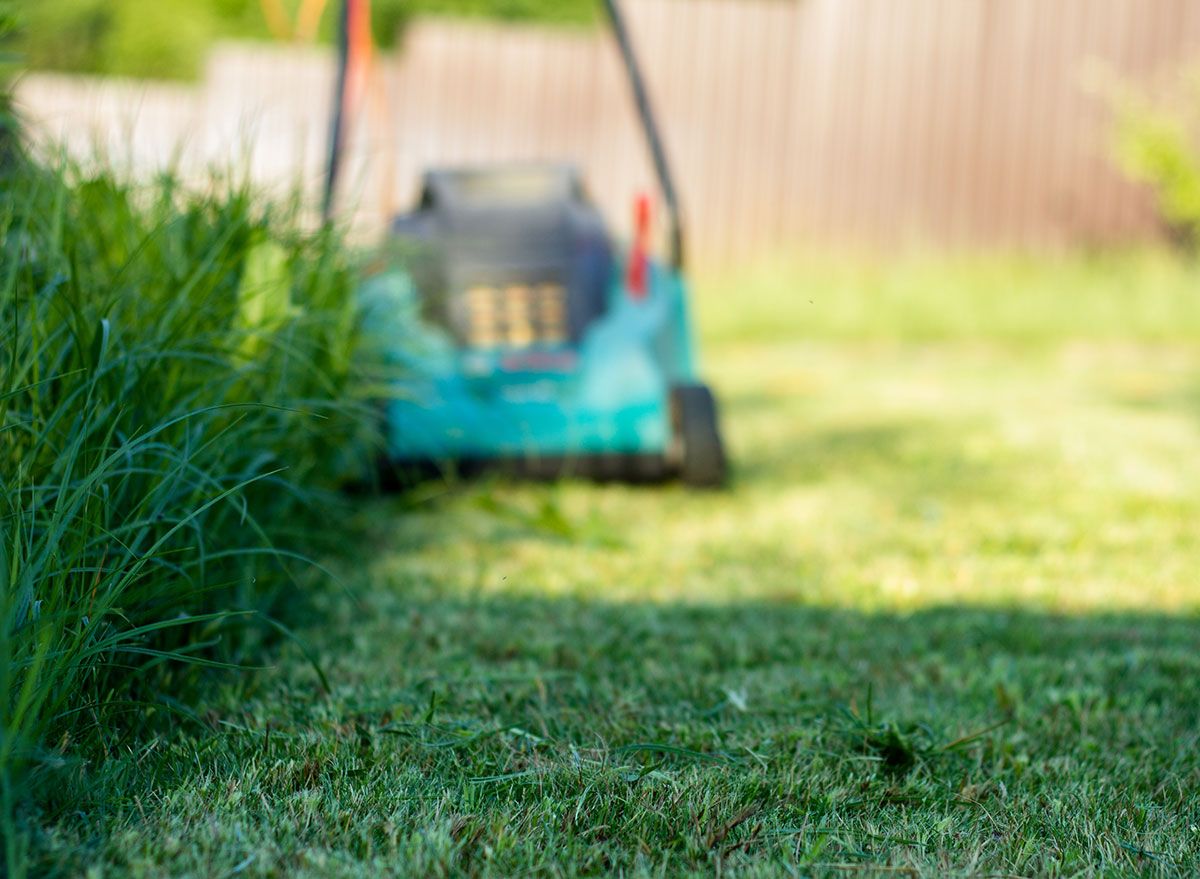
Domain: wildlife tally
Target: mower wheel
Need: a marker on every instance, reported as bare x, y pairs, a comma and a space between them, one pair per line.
701, 455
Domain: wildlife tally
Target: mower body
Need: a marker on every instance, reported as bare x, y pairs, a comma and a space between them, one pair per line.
540, 345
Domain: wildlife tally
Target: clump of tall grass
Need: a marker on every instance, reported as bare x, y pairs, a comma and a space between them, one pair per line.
175, 401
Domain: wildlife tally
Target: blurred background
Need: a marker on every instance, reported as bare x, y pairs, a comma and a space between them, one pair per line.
861, 125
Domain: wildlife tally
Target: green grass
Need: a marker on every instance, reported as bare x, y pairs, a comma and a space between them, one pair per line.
944, 622
175, 395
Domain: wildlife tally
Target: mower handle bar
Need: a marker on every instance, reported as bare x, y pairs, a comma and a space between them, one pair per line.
637, 85
658, 153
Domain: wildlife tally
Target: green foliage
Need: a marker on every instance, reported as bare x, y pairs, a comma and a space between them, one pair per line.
175, 393
169, 38
1160, 146
550, 11
389, 17
943, 623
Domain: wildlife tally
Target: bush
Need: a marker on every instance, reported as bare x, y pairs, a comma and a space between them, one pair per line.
1159, 144
175, 402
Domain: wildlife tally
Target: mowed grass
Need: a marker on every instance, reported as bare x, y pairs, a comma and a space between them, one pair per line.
944, 622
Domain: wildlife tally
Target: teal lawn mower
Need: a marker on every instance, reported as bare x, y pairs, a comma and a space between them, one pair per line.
540, 345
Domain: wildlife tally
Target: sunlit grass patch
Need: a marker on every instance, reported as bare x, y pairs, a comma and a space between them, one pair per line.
1014, 299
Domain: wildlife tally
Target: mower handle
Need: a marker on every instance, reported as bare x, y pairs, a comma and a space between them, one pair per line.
338, 120
658, 153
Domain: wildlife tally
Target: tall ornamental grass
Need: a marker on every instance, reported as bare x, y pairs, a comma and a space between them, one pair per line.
175, 406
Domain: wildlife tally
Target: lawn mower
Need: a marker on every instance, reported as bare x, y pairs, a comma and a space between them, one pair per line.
541, 345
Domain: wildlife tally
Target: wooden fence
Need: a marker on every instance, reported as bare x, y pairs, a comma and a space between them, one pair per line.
793, 123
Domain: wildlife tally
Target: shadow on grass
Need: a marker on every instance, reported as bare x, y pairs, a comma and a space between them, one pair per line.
963, 732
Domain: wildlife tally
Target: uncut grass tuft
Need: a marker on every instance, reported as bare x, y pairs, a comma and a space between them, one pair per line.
176, 402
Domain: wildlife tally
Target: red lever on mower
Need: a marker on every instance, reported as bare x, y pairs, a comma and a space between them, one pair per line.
638, 279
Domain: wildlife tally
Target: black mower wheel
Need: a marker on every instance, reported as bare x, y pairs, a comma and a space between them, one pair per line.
701, 454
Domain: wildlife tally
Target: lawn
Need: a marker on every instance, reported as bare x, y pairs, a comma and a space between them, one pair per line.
943, 622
